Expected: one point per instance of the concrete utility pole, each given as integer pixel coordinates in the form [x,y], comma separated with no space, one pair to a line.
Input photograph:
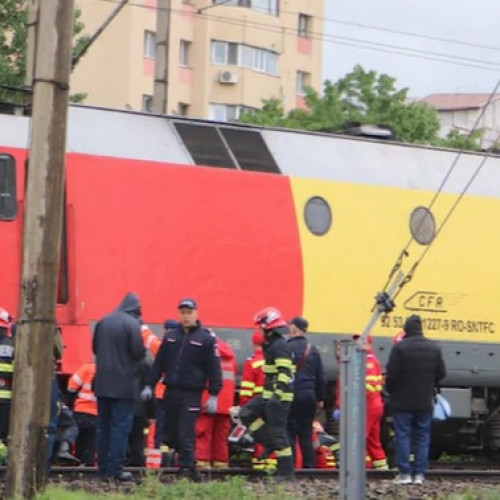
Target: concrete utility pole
[27,461]
[352,475]
[160,93]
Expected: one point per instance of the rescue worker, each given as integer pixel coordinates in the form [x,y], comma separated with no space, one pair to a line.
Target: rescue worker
[309,390]
[188,358]
[117,345]
[266,416]
[6,372]
[65,437]
[375,455]
[252,385]
[326,448]
[212,431]
[374,406]
[252,378]
[81,399]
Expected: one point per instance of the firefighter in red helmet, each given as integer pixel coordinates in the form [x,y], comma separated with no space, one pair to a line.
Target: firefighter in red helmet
[266,416]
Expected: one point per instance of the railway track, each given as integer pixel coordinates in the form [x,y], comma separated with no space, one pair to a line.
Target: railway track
[468,472]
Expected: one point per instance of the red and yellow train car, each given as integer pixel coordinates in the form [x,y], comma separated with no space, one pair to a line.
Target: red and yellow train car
[242,218]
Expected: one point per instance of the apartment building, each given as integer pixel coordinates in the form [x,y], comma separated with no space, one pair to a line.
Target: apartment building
[222,56]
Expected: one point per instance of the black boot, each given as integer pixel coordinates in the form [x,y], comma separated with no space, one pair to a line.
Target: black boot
[190,473]
[64,456]
[285,470]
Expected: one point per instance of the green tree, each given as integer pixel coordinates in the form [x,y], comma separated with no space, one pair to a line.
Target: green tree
[14,46]
[456,140]
[362,97]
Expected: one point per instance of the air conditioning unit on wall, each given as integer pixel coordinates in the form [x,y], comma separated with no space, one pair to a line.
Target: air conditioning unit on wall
[228,77]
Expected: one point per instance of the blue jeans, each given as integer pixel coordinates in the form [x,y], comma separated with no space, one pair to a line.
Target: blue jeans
[114,421]
[412,429]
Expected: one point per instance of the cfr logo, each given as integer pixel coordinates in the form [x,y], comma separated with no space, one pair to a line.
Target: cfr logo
[426,301]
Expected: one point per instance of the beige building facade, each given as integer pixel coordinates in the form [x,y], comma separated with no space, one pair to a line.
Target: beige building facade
[224,56]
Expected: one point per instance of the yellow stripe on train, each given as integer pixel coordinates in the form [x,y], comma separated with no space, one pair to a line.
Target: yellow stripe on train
[453,288]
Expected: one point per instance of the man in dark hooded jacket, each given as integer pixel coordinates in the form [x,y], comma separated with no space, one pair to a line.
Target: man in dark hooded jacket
[414,370]
[117,346]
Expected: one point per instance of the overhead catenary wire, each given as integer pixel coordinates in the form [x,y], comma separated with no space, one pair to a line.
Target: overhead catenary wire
[340,40]
[404,253]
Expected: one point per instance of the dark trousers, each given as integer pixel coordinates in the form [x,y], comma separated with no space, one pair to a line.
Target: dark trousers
[51,431]
[136,442]
[114,421]
[412,429]
[160,423]
[268,420]
[302,413]
[4,419]
[86,440]
[181,412]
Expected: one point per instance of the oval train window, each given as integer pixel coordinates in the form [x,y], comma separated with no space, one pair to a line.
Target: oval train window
[318,215]
[422,225]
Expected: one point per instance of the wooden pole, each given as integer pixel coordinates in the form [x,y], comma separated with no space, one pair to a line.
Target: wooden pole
[160,92]
[33,372]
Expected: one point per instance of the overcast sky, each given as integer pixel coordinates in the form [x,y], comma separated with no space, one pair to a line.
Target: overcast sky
[387,29]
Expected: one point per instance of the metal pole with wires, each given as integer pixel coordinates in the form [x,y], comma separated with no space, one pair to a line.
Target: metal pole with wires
[352,407]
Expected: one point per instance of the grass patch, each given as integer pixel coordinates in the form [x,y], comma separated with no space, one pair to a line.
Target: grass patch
[151,488]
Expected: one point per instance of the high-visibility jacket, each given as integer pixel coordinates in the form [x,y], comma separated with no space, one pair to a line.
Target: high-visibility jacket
[152,342]
[279,369]
[81,382]
[225,398]
[373,382]
[252,378]
[6,368]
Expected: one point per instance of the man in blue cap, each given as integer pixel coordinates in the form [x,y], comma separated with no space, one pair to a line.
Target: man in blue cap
[188,361]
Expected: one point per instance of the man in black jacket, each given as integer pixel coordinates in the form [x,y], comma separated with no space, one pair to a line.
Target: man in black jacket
[117,346]
[309,390]
[188,360]
[414,370]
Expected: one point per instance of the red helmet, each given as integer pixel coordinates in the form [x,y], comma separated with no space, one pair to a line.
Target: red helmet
[5,318]
[269,318]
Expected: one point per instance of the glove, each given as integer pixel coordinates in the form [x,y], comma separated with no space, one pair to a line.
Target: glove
[146,393]
[336,414]
[211,405]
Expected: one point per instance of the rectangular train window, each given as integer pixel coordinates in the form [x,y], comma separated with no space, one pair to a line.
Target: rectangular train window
[205,145]
[7,187]
[250,150]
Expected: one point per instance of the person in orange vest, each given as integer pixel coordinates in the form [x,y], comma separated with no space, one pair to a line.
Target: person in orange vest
[252,378]
[375,454]
[252,384]
[212,430]
[325,448]
[82,401]
[374,406]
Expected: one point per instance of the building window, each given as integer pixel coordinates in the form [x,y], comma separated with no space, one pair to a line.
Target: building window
[185,49]
[182,109]
[303,81]
[227,112]
[304,25]
[245,56]
[270,7]
[149,44]
[147,103]
[224,52]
